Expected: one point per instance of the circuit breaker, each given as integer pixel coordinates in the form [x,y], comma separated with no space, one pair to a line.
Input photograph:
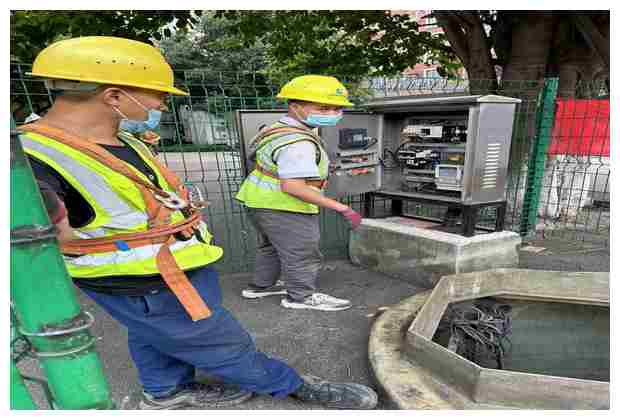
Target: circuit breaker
[451,149]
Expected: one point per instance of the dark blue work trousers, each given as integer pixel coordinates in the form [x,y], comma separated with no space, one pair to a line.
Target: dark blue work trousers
[166,345]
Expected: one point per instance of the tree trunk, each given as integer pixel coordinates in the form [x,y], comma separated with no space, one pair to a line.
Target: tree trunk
[467,37]
[532,33]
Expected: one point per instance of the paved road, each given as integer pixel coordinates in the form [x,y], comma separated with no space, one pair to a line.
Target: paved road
[332,345]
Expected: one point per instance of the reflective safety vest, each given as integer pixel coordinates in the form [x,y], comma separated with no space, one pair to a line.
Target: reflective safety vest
[262,188]
[138,229]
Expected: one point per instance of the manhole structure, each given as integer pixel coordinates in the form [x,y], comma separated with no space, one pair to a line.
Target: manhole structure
[559,353]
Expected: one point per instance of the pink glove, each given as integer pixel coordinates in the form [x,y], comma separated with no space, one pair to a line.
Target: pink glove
[352,216]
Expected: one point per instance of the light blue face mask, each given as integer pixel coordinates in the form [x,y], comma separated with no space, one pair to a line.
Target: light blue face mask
[316,120]
[138,126]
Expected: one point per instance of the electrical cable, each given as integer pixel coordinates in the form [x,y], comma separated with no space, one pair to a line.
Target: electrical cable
[479,331]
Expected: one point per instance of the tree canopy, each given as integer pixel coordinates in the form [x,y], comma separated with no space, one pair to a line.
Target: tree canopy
[348,44]
[524,45]
[211,56]
[33,30]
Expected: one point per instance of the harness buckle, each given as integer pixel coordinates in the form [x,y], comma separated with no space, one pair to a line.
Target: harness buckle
[195,196]
[173,201]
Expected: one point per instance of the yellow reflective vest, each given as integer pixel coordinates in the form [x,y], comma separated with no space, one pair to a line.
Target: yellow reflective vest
[260,190]
[119,208]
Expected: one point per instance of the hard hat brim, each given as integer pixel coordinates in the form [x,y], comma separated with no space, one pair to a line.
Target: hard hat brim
[167,89]
[339,102]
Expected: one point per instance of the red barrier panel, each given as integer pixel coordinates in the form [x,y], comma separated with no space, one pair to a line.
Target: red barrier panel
[581,128]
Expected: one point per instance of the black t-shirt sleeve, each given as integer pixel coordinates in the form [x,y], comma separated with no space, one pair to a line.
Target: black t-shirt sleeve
[79,212]
[45,174]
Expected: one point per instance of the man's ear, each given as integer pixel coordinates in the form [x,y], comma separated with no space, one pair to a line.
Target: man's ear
[111,96]
[297,106]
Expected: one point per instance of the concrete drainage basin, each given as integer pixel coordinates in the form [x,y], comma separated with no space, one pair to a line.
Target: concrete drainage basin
[508,339]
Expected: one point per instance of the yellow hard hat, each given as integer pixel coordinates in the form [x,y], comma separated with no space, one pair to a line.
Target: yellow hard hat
[313,88]
[106,60]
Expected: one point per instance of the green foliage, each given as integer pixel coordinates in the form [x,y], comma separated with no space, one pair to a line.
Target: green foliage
[33,30]
[348,44]
[211,59]
[212,43]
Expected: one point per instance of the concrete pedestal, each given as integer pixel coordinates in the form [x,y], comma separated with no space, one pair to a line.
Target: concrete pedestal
[410,250]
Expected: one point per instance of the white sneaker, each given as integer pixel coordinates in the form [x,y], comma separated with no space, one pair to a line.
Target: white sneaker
[318,301]
[254,292]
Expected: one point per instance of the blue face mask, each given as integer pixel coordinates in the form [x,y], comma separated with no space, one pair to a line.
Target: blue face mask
[316,120]
[138,126]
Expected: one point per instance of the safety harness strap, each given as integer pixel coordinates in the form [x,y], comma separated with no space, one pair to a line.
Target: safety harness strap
[320,183]
[93,150]
[266,132]
[160,231]
[180,285]
[132,240]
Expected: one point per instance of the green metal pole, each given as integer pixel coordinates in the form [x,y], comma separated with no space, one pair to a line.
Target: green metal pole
[44,300]
[20,397]
[535,170]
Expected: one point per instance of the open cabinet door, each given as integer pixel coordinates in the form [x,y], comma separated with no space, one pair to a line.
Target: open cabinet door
[354,147]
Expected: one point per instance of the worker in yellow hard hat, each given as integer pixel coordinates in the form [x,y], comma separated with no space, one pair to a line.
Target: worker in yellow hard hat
[284,192]
[134,241]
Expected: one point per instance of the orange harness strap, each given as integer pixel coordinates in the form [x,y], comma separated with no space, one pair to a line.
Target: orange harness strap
[275,130]
[319,183]
[156,235]
[159,232]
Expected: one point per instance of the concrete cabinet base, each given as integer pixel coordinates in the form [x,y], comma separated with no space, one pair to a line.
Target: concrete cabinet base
[397,247]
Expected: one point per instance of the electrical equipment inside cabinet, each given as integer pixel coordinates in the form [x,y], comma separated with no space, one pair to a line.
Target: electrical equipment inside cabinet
[449,177]
[424,146]
[353,138]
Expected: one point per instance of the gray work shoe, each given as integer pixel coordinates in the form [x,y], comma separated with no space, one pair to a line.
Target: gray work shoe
[345,396]
[196,395]
[319,302]
[253,292]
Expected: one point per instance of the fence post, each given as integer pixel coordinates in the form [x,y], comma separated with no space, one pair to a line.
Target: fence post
[45,303]
[536,166]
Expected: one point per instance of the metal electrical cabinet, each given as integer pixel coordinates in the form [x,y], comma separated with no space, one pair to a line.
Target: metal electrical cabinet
[354,148]
[444,150]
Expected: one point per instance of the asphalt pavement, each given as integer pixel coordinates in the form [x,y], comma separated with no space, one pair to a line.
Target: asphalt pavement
[332,345]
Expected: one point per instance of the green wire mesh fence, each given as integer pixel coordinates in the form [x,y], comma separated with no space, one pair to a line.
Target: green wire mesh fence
[200,142]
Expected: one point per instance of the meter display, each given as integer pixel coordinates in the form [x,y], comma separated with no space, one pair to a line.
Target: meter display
[448,177]
[353,138]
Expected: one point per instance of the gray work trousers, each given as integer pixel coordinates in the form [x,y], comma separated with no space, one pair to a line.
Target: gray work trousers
[288,246]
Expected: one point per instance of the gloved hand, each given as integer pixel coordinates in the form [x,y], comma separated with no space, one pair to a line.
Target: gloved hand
[352,216]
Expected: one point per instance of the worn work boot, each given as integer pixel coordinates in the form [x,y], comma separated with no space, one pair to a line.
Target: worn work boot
[196,395]
[319,302]
[344,396]
[253,292]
